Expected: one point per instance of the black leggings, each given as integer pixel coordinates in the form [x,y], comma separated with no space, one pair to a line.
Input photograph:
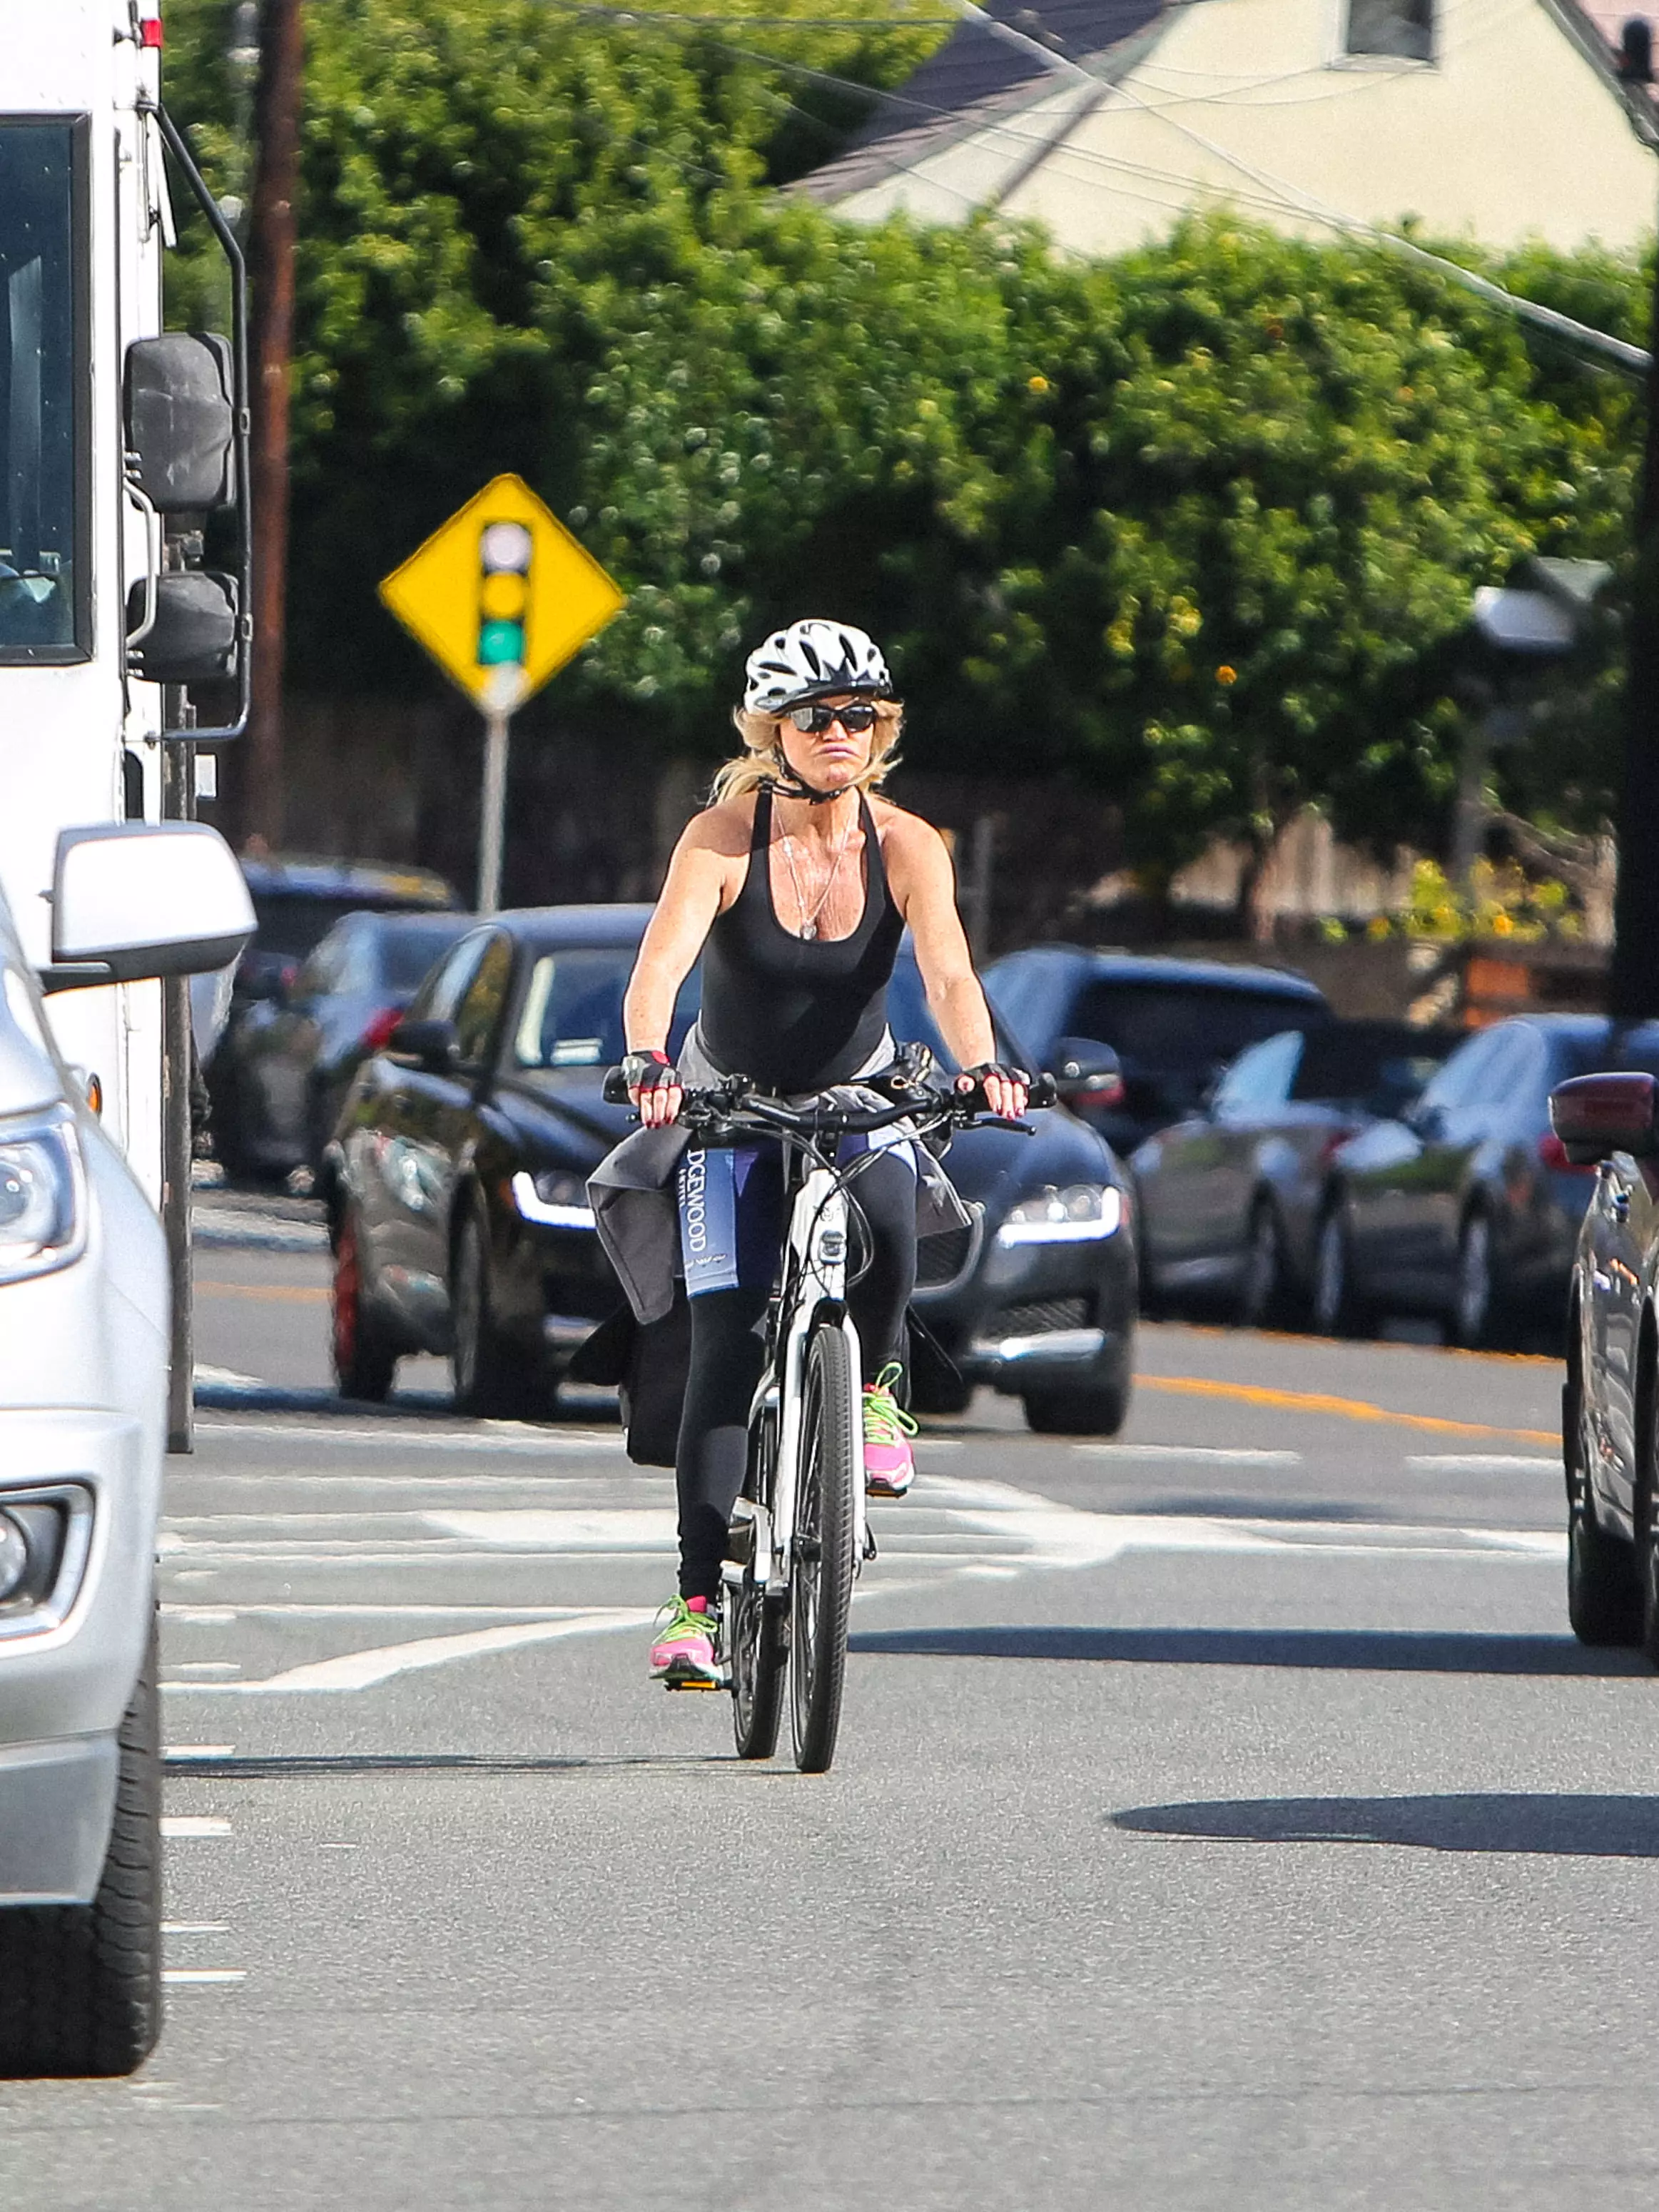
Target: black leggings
[727,1350]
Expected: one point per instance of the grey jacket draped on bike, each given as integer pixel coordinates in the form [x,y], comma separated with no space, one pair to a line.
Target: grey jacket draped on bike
[632,1191]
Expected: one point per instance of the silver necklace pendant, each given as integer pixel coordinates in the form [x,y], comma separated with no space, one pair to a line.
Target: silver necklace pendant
[809,929]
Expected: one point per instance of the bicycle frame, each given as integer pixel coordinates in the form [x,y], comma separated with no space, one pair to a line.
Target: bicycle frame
[815,1276]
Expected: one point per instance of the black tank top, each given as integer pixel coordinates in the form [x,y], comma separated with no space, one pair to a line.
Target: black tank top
[797,1013]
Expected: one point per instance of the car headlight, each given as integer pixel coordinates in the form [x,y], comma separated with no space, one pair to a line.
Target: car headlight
[1079,1213]
[43,1208]
[553,1198]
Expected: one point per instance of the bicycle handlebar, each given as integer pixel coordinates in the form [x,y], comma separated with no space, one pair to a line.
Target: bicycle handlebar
[738,1101]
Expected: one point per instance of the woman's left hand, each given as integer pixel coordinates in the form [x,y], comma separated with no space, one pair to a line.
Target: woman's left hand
[1006,1089]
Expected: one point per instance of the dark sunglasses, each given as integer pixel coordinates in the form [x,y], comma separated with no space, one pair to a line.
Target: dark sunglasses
[813,721]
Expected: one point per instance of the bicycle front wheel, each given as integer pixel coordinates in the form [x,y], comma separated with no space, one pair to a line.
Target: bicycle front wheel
[823,1568]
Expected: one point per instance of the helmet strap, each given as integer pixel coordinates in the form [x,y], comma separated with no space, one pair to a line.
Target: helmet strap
[791,787]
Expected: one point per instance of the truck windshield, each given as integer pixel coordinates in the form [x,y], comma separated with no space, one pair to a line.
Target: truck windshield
[38,412]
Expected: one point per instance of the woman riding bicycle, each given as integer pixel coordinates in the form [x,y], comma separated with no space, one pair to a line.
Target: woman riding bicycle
[793,887]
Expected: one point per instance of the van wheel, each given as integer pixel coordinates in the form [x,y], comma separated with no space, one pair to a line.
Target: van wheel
[1264,1294]
[1336,1310]
[1077,1409]
[364,1361]
[80,1984]
[495,1378]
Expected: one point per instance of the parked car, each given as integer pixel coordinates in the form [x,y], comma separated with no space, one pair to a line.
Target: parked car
[1038,1297]
[1168,1025]
[84,1344]
[1607,1125]
[1231,1199]
[455,1185]
[1466,1207]
[296,902]
[290,1060]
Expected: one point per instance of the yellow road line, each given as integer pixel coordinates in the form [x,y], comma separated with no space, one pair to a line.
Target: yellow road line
[1347,1409]
[308,1294]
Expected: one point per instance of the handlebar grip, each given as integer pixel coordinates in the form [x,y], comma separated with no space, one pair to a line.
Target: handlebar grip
[1044,1090]
[615,1087]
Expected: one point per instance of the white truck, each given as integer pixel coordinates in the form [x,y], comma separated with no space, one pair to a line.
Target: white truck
[120,444]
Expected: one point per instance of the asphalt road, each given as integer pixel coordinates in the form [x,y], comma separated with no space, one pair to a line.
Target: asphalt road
[1223,1817]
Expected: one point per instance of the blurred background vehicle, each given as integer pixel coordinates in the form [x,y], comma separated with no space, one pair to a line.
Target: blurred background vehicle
[296,902]
[1231,1199]
[1038,1299]
[1170,1024]
[289,1061]
[1466,1206]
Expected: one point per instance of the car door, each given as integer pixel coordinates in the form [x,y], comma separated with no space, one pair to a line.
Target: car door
[1401,1178]
[398,1186]
[1206,1168]
[279,1052]
[443,1120]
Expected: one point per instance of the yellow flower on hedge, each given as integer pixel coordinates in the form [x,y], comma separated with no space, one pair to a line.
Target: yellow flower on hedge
[1225,674]
[1501,926]
[1037,384]
[1378,928]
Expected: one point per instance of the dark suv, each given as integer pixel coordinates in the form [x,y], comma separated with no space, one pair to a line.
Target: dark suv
[1172,1023]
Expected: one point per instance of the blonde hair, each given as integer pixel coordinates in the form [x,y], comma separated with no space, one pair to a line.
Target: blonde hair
[762,758]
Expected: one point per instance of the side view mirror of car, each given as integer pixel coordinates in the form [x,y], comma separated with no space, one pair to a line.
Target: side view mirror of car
[1087,1071]
[139,899]
[1597,1115]
[429,1044]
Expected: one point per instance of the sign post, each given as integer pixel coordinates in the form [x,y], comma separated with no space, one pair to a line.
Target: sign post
[501,596]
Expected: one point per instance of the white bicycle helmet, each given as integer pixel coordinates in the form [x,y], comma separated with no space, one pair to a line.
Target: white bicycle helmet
[813,659]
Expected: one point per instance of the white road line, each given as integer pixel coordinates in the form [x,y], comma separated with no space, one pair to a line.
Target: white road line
[1484,1463]
[196,1927]
[177,1827]
[365,1670]
[285,1479]
[226,1378]
[201,1977]
[1197,1455]
[181,1754]
[542,1441]
[208,1666]
[197,1616]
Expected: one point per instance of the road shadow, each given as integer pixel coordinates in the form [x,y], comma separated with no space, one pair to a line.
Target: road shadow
[1553,1826]
[593,1410]
[1404,1652]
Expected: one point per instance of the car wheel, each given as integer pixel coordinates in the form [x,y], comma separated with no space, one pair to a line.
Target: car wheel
[80,1984]
[1604,1597]
[494,1378]
[939,1394]
[1077,1409]
[365,1362]
[1336,1310]
[1263,1295]
[1475,1298]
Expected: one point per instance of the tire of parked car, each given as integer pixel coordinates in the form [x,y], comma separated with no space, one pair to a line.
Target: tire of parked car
[1604,1597]
[1474,1313]
[1096,1407]
[495,1377]
[365,1360]
[80,1984]
[1264,1294]
[1336,1310]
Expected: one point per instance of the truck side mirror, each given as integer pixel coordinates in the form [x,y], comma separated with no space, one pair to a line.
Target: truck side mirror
[190,635]
[181,421]
[136,899]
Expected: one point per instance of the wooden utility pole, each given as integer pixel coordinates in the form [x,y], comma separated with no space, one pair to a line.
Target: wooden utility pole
[271,256]
[1633,984]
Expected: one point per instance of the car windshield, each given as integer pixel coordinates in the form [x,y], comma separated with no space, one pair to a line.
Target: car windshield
[1639,1049]
[1185,1029]
[572,1013]
[37,411]
[408,951]
[1380,1069]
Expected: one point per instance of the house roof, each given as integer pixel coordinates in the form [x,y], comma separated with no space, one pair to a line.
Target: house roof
[972,76]
[976,78]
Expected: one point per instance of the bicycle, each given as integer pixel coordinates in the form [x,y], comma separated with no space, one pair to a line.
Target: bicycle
[799,1536]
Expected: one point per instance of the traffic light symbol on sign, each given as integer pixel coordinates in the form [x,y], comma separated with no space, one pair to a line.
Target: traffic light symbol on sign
[504,555]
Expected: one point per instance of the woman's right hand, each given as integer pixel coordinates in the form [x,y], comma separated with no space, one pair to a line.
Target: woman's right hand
[654,1085]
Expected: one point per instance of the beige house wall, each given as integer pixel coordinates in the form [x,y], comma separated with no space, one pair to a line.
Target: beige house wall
[1510,134]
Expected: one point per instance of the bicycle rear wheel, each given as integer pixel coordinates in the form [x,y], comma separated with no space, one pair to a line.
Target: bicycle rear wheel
[760,1652]
[821,1572]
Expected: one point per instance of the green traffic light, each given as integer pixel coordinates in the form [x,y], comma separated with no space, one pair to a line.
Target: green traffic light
[500,644]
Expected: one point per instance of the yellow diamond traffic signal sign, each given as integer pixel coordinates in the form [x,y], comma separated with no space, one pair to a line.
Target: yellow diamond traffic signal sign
[501,595]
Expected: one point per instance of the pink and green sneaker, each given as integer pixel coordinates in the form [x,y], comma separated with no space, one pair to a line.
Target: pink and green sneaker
[683,1652]
[889,1468]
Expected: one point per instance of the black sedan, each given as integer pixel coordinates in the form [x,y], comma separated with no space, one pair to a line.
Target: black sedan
[1231,1199]
[290,1060]
[455,1187]
[1607,1125]
[1466,1207]
[1168,1026]
[456,1180]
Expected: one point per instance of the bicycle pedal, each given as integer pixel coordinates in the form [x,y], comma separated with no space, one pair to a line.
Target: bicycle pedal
[698,1684]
